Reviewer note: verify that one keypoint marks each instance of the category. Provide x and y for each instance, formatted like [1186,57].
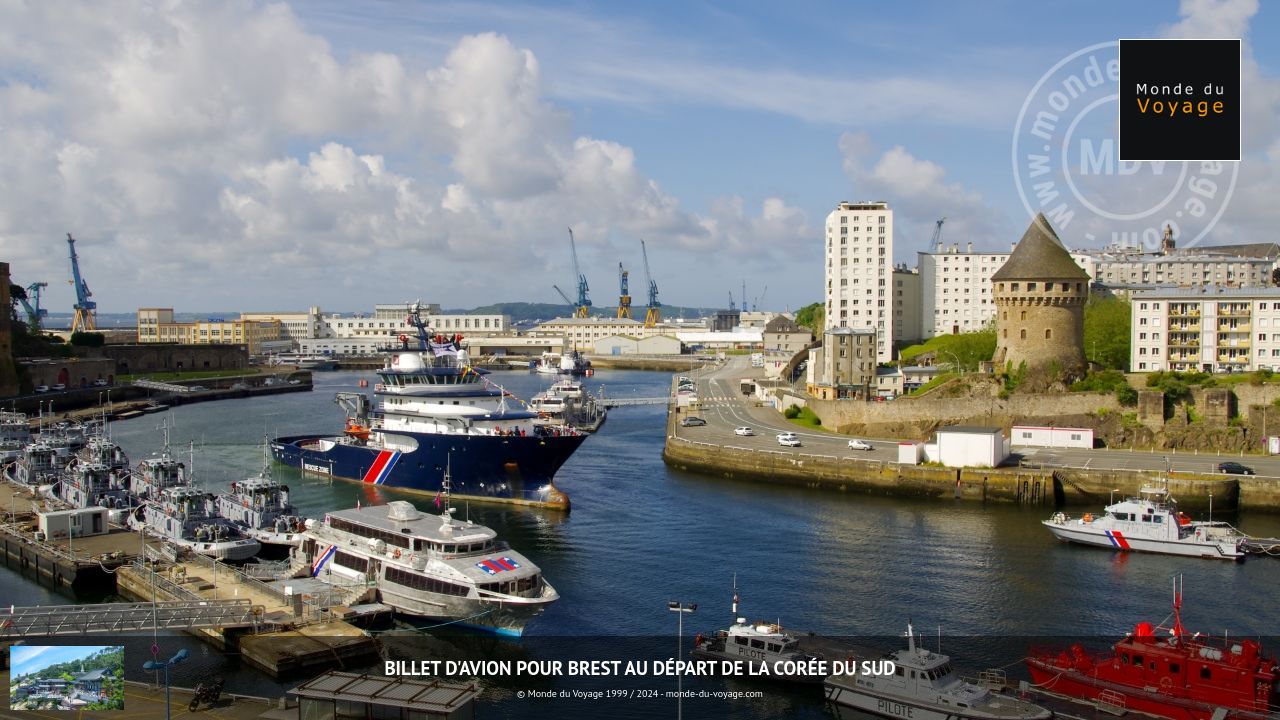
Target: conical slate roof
[1040,256]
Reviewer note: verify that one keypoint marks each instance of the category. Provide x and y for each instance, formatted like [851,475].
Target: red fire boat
[1166,672]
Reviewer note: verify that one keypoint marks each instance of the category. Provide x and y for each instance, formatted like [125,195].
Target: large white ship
[431,566]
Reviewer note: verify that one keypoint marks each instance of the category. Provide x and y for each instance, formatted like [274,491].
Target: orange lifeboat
[356,430]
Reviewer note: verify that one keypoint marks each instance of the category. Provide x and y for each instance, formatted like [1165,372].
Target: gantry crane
[624,295]
[584,300]
[35,313]
[652,313]
[937,234]
[86,317]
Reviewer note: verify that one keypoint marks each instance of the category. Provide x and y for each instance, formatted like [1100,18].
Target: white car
[744,431]
[789,441]
[860,445]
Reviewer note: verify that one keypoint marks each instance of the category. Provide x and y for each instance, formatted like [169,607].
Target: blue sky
[252,156]
[26,659]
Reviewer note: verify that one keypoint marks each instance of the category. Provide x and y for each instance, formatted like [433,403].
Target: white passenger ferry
[1150,522]
[431,566]
[924,686]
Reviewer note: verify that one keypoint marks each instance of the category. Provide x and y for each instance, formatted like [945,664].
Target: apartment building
[858,272]
[1210,329]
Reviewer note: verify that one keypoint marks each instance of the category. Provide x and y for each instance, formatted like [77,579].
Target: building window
[1024,334]
[1048,334]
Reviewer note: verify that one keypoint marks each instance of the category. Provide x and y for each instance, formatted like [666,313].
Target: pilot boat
[925,686]
[755,643]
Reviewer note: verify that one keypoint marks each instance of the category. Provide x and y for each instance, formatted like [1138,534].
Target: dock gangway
[125,617]
[620,402]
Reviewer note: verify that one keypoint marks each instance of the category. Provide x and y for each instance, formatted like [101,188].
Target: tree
[812,316]
[88,339]
[1106,331]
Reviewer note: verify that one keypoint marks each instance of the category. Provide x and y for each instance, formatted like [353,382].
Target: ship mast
[1178,630]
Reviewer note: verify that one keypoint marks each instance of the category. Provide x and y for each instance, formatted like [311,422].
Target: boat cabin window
[1120,515]
[899,671]
[1205,672]
[774,647]
[1146,518]
[1175,667]
[1137,660]
[740,640]
[1157,518]
[913,674]
[757,644]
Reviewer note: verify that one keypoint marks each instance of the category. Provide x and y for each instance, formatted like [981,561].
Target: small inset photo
[66,677]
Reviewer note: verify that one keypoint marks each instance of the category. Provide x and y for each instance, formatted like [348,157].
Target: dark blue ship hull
[482,467]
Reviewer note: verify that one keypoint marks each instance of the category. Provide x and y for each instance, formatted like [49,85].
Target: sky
[26,659]
[242,155]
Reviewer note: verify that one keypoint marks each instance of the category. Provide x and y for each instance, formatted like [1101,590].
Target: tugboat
[260,508]
[1179,676]
[430,405]
[1150,522]
[754,642]
[925,686]
[429,566]
[180,516]
[89,483]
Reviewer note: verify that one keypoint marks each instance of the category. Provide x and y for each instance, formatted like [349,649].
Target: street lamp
[165,665]
[955,357]
[680,609]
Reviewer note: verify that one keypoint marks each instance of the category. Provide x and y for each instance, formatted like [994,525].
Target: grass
[192,375]
[808,419]
[935,382]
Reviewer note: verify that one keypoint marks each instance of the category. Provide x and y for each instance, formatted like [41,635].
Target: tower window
[1024,334]
[1048,334]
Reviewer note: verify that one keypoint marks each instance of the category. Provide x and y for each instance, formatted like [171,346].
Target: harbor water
[640,535]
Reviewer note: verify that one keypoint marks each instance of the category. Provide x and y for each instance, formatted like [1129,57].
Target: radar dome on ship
[410,362]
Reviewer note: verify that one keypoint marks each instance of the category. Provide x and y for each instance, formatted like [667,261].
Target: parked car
[1235,468]
[693,422]
[744,431]
[42,388]
[59,387]
[787,434]
[789,441]
[856,444]
[99,383]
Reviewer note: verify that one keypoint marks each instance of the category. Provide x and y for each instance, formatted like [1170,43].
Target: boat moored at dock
[1150,522]
[925,686]
[430,566]
[1166,672]
[259,507]
[180,516]
[432,405]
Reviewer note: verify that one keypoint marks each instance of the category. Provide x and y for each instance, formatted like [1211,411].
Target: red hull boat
[1169,674]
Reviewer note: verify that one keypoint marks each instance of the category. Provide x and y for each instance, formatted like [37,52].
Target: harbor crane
[937,234]
[86,317]
[624,295]
[732,306]
[584,300]
[567,301]
[652,313]
[755,304]
[31,304]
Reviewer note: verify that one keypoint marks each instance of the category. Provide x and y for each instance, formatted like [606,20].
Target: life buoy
[1166,683]
[404,338]
[396,554]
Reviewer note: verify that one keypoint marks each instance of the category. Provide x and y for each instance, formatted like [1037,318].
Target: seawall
[1047,486]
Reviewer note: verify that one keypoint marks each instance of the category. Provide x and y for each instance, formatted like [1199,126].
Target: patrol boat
[430,566]
[754,643]
[259,507]
[925,686]
[429,406]
[158,472]
[89,483]
[1150,522]
[180,516]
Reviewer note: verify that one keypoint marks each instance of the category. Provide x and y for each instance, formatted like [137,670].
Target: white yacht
[1150,522]
[431,566]
[925,686]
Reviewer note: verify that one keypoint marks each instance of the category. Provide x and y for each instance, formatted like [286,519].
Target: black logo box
[1160,77]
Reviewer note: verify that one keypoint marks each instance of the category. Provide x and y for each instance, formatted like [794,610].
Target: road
[724,407]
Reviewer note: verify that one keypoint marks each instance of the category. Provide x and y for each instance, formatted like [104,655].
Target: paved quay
[824,458]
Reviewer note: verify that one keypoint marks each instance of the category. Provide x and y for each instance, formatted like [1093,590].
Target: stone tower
[1039,295]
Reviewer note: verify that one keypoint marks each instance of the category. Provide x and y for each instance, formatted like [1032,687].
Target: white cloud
[919,194]
[221,156]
